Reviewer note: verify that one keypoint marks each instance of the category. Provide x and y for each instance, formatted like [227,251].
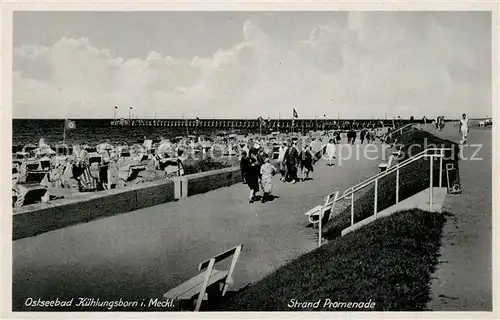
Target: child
[267,171]
[330,152]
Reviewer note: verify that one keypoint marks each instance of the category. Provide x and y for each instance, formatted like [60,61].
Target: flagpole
[185,123]
[279,120]
[64,133]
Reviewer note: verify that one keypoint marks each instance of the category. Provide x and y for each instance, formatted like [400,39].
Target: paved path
[144,253]
[463,280]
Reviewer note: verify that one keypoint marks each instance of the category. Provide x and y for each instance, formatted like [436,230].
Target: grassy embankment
[389,263]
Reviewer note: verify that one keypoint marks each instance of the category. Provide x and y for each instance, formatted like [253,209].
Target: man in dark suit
[291,161]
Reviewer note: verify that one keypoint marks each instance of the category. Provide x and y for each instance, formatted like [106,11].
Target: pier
[273,124]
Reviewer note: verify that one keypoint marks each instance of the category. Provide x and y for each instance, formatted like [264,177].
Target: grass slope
[389,262]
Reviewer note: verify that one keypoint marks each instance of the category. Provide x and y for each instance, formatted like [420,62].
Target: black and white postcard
[236,157]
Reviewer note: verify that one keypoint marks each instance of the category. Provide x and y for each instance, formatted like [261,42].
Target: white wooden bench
[314,214]
[208,277]
[386,165]
[390,161]
[397,153]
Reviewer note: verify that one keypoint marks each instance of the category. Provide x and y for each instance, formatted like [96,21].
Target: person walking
[243,165]
[281,161]
[441,124]
[330,152]
[353,136]
[291,156]
[362,135]
[306,163]
[252,173]
[337,137]
[368,136]
[261,154]
[267,171]
[464,128]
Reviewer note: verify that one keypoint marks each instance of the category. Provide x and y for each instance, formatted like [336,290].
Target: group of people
[439,123]
[258,171]
[364,133]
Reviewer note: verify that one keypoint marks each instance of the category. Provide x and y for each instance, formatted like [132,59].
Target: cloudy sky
[247,64]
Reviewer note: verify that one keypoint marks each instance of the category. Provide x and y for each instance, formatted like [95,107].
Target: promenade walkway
[142,254]
[463,279]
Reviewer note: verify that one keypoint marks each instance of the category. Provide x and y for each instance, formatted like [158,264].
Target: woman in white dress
[464,128]
[330,152]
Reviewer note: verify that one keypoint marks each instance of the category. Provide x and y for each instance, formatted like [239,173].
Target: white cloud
[375,63]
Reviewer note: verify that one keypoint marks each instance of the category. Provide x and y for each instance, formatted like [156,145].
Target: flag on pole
[295,114]
[261,121]
[69,124]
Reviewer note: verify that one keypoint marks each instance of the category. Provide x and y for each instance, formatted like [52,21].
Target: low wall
[206,181]
[43,217]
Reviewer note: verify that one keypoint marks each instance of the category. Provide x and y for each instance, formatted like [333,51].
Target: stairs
[418,201]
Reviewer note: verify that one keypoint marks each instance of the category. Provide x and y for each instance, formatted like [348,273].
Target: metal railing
[349,193]
[400,130]
[401,164]
[333,198]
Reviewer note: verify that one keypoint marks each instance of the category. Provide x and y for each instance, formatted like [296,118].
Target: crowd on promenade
[294,159]
[106,166]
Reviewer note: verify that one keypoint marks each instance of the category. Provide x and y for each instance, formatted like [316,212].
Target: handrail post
[441,168]
[397,185]
[431,182]
[376,198]
[319,226]
[352,207]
